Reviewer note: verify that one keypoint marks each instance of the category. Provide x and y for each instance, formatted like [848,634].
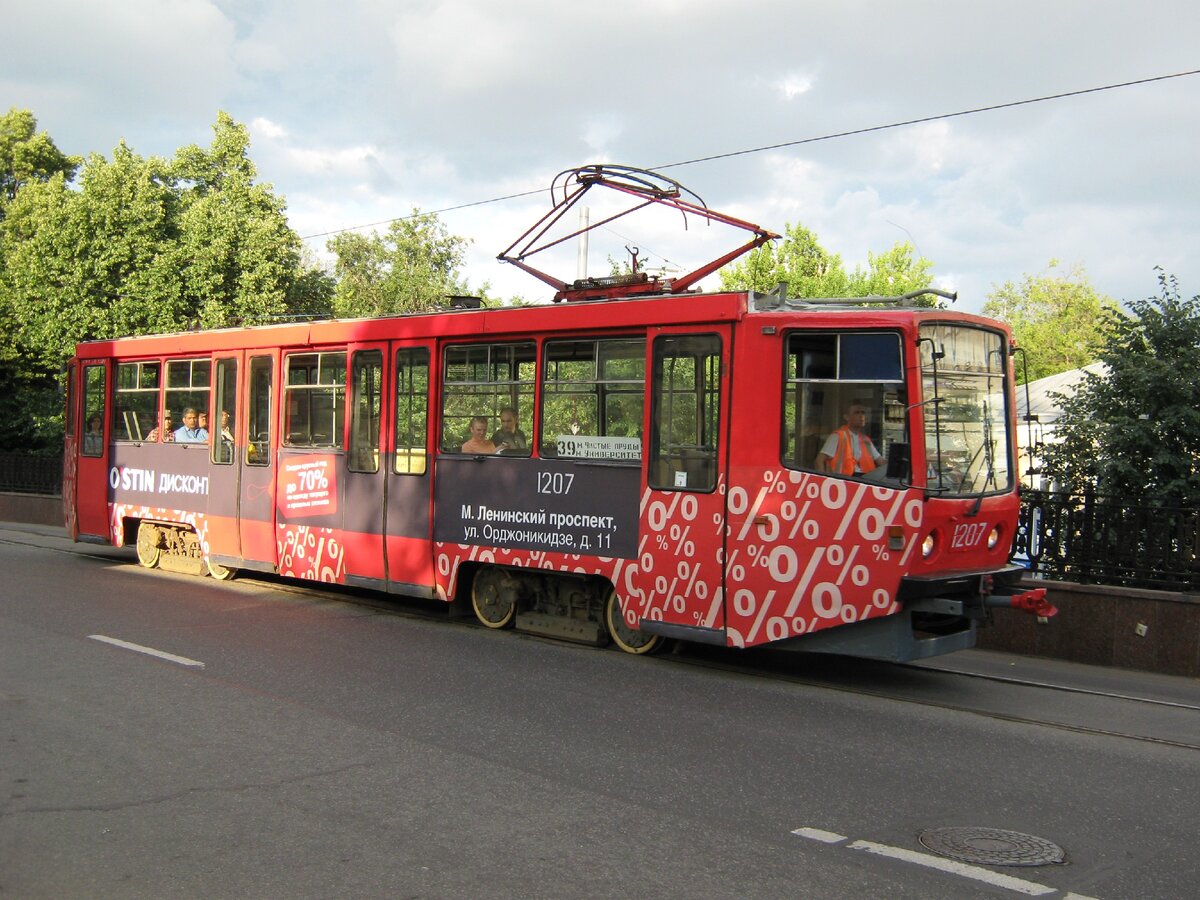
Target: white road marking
[816,834]
[1008,882]
[149,651]
[1020,885]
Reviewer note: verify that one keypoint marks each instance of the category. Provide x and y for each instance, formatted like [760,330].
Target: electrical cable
[797,143]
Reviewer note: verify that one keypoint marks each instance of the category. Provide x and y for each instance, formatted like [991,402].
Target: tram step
[185,565]
[565,629]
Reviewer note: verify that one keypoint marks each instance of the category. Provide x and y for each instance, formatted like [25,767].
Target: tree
[28,155]
[808,268]
[411,268]
[812,271]
[892,273]
[141,246]
[239,261]
[1135,431]
[1056,319]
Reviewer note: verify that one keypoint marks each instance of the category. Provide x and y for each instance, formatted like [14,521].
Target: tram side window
[93,410]
[843,402]
[685,413]
[315,400]
[485,380]
[135,406]
[367,378]
[593,395]
[258,412]
[412,410]
[220,429]
[188,387]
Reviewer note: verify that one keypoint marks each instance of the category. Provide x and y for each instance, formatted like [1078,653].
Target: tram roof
[509,321]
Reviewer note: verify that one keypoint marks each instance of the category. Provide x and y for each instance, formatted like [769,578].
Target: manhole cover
[992,846]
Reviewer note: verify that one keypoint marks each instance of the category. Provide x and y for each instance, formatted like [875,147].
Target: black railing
[30,473]
[1092,539]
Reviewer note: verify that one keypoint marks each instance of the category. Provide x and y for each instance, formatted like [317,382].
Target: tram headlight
[994,537]
[928,545]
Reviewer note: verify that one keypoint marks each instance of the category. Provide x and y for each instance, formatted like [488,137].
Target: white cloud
[266,129]
[792,86]
[362,110]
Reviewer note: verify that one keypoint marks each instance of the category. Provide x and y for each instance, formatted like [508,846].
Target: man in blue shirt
[190,431]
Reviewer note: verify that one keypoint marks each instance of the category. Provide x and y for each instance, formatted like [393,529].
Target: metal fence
[1093,539]
[30,473]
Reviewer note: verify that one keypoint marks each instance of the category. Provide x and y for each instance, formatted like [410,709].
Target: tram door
[409,472]
[364,477]
[682,519]
[255,442]
[224,479]
[92,433]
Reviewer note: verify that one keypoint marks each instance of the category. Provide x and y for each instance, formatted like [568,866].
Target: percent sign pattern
[807,552]
[676,577]
[70,476]
[450,558]
[312,553]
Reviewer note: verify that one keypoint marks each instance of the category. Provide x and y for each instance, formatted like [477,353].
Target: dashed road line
[949,866]
[149,651]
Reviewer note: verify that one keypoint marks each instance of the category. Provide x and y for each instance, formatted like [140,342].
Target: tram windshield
[963,377]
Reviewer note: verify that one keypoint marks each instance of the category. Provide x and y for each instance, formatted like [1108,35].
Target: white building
[1046,412]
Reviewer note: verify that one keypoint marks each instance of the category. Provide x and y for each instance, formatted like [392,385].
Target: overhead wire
[797,143]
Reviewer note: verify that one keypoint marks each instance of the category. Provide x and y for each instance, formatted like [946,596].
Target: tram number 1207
[554,482]
[968,535]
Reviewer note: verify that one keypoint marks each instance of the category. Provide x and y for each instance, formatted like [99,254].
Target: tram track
[1026,682]
[1165,722]
[1179,721]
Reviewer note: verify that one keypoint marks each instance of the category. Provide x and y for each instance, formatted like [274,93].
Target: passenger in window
[478,441]
[226,426]
[509,436]
[203,419]
[165,429]
[93,438]
[224,448]
[190,431]
[849,450]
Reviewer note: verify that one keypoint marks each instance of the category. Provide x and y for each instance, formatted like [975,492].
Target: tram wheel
[630,640]
[149,545]
[218,571]
[494,598]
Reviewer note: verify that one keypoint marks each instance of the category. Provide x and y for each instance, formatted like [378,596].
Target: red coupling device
[1033,601]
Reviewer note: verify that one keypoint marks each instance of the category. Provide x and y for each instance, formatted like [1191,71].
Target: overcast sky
[363,109]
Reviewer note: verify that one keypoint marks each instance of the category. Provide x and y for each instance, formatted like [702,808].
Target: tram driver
[850,450]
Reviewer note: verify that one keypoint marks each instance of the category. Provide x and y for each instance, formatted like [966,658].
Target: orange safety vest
[843,458]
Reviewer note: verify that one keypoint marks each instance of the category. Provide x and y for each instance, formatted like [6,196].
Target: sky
[364,110]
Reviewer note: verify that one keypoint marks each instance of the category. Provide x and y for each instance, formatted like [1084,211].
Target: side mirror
[899,462]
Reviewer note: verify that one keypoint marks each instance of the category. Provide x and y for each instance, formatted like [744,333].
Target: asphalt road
[309,745]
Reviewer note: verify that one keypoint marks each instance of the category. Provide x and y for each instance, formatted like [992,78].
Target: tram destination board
[547,505]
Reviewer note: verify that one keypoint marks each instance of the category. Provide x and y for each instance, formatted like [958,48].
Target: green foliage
[142,246]
[27,155]
[1056,319]
[811,271]
[412,268]
[1134,432]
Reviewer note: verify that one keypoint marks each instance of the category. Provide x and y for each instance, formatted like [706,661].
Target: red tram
[729,468]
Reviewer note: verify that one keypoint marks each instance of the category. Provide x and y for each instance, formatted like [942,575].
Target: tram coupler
[1032,601]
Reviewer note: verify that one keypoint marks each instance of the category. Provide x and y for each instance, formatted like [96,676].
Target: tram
[640,462]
